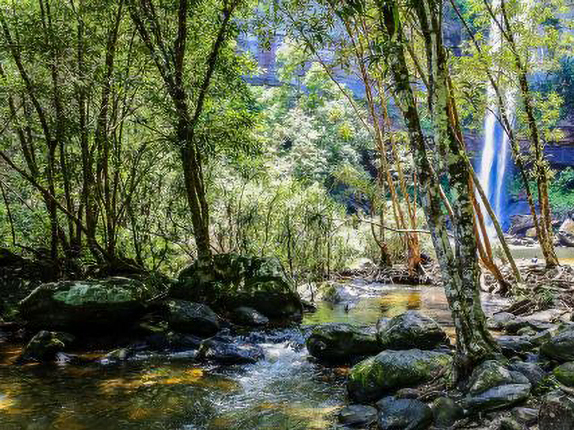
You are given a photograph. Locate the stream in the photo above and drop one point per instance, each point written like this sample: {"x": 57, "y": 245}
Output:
{"x": 285, "y": 391}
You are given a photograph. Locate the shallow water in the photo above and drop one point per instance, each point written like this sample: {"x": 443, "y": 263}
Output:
{"x": 284, "y": 391}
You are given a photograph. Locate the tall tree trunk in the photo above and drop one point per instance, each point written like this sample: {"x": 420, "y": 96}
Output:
{"x": 460, "y": 271}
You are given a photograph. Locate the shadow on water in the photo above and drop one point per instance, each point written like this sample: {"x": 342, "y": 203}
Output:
{"x": 285, "y": 391}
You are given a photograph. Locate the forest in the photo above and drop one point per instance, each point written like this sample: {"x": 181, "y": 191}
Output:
{"x": 287, "y": 214}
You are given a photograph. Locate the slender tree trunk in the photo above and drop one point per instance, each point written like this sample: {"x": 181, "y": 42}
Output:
{"x": 460, "y": 270}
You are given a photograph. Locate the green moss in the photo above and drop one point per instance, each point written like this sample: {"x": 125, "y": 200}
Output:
{"x": 80, "y": 294}
{"x": 565, "y": 374}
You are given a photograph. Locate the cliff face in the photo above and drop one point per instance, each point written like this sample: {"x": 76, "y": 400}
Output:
{"x": 560, "y": 154}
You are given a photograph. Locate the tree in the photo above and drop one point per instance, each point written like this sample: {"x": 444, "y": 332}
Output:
{"x": 170, "y": 59}
{"x": 459, "y": 267}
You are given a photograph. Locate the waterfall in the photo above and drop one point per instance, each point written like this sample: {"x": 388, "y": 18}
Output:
{"x": 494, "y": 161}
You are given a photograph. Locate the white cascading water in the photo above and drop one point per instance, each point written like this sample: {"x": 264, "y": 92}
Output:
{"x": 494, "y": 161}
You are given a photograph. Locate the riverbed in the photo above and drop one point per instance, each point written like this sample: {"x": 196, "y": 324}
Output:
{"x": 285, "y": 391}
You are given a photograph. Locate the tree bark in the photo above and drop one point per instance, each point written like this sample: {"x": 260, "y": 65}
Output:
{"x": 460, "y": 271}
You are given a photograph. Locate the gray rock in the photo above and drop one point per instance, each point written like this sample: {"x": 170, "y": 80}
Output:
{"x": 193, "y": 318}
{"x": 341, "y": 342}
{"x": 566, "y": 233}
{"x": 493, "y": 386}
{"x": 230, "y": 353}
{"x": 86, "y": 305}
{"x": 499, "y": 320}
{"x": 517, "y": 324}
{"x": 411, "y": 330}
{"x": 446, "y": 412}
{"x": 44, "y": 346}
{"x": 234, "y": 280}
{"x": 515, "y": 345}
{"x": 561, "y": 346}
{"x": 497, "y": 397}
{"x": 532, "y": 371}
{"x": 357, "y": 416}
{"x": 249, "y": 317}
{"x": 391, "y": 370}
{"x": 488, "y": 375}
{"x": 542, "y": 337}
{"x": 556, "y": 412}
{"x": 403, "y": 414}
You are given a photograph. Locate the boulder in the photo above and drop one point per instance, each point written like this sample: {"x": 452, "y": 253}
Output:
{"x": 44, "y": 346}
{"x": 233, "y": 281}
{"x": 189, "y": 317}
{"x": 172, "y": 341}
{"x": 489, "y": 374}
{"x": 515, "y": 345}
{"x": 357, "y": 416}
{"x": 493, "y": 386}
{"x": 499, "y": 320}
{"x": 561, "y": 346}
{"x": 532, "y": 371}
{"x": 86, "y": 305}
{"x": 566, "y": 233}
{"x": 411, "y": 330}
{"x": 403, "y": 414}
{"x": 498, "y": 397}
{"x": 446, "y": 412}
{"x": 519, "y": 224}
{"x": 556, "y": 412}
{"x": 341, "y": 342}
{"x": 565, "y": 374}
{"x": 391, "y": 370}
{"x": 230, "y": 353}
{"x": 249, "y": 317}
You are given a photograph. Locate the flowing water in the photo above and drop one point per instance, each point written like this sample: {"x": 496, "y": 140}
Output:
{"x": 494, "y": 160}
{"x": 284, "y": 391}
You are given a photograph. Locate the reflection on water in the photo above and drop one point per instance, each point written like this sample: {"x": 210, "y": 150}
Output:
{"x": 378, "y": 300}
{"x": 283, "y": 392}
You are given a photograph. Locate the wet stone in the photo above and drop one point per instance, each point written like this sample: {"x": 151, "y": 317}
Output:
{"x": 411, "y": 330}
{"x": 532, "y": 371}
{"x": 357, "y": 416}
{"x": 392, "y": 370}
{"x": 446, "y": 412}
{"x": 249, "y": 317}
{"x": 45, "y": 345}
{"x": 561, "y": 346}
{"x": 230, "y": 353}
{"x": 407, "y": 414}
{"x": 565, "y": 374}
{"x": 341, "y": 342}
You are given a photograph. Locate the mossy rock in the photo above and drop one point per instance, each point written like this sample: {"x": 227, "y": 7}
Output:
{"x": 411, "y": 330}
{"x": 391, "y": 370}
{"x": 561, "y": 346}
{"x": 233, "y": 281}
{"x": 493, "y": 386}
{"x": 565, "y": 374}
{"x": 341, "y": 342}
{"x": 44, "y": 346}
{"x": 189, "y": 317}
{"x": 86, "y": 305}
